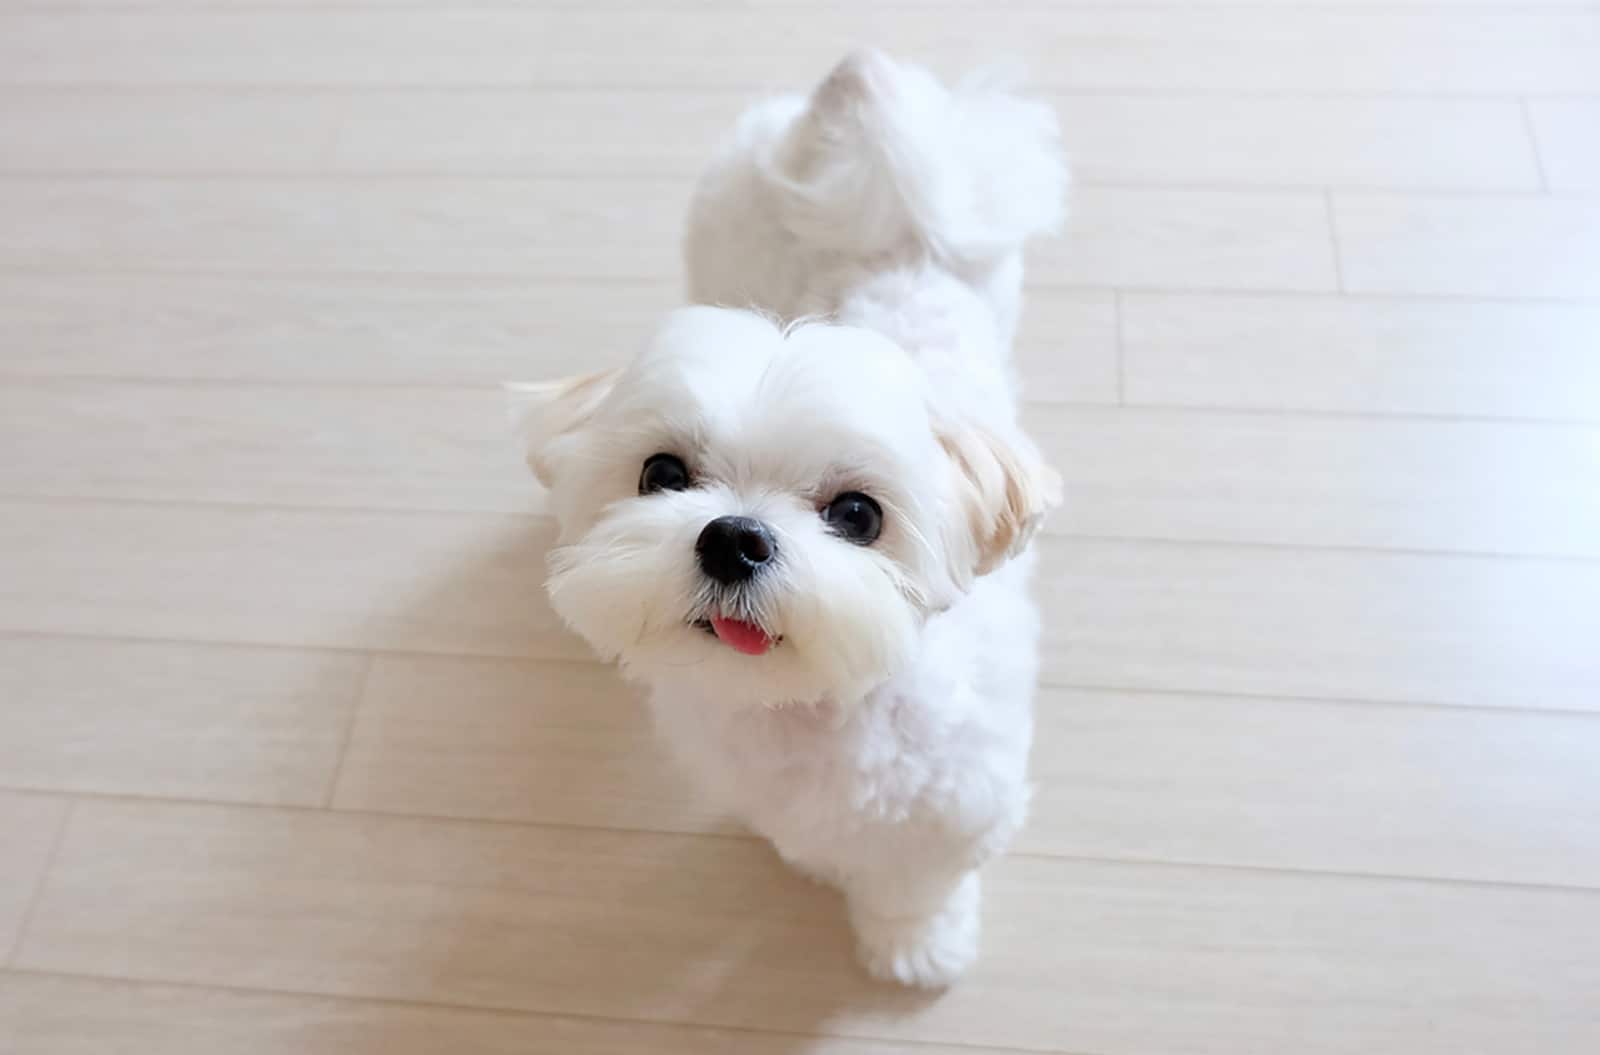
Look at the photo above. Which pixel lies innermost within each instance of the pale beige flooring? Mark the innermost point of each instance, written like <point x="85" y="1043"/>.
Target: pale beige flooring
<point x="296" y="759"/>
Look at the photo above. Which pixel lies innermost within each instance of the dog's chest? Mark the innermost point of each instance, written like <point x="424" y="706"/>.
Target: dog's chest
<point x="815" y="767"/>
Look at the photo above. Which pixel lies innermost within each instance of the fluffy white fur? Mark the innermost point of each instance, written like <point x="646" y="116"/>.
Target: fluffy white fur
<point x="882" y="743"/>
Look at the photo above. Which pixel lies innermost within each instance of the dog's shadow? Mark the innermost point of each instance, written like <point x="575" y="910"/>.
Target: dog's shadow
<point x="623" y="896"/>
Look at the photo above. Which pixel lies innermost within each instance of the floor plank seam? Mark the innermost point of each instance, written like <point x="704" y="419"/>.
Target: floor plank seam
<point x="1046" y="681"/>
<point x="1034" y="287"/>
<point x="1308" y="190"/>
<point x="743" y="90"/>
<point x="1332" y="214"/>
<point x="1337" y="701"/>
<point x="1120" y="346"/>
<point x="514" y="1012"/>
<point x="348" y="735"/>
<point x="1532" y="132"/>
<point x="36" y="895"/>
<point x="750" y="838"/>
<point x="1285" y="413"/>
<point x="1063" y="538"/>
<point x="329" y="171"/>
<point x="1368" y="7"/>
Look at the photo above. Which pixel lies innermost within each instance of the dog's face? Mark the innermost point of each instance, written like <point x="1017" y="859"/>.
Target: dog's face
<point x="763" y="516"/>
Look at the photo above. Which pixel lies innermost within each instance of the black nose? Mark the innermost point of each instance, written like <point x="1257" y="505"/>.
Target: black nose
<point x="732" y="549"/>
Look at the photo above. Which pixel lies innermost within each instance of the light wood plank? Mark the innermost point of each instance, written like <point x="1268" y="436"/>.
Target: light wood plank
<point x="1392" y="143"/>
<point x="1469" y="246"/>
<point x="453" y="583"/>
<point x="581" y="921"/>
<point x="1367" y="52"/>
<point x="1138" y="615"/>
<point x="525" y="228"/>
<point x="399" y="330"/>
<point x="1278" y="479"/>
<point x="1166" y="142"/>
<point x="438" y="448"/>
<point x="1400" y="143"/>
<point x="1217" y="780"/>
<point x="621" y="133"/>
<point x="1488" y="631"/>
<point x="711" y="931"/>
<point x="1484" y="795"/>
<point x="57" y="1015"/>
<point x="185" y="721"/>
<point x="29" y="825"/>
<point x="1130" y="474"/>
<point x="123" y="130"/>
<point x="1067" y="346"/>
<point x="1363" y="356"/>
<point x="1201" y="239"/>
<point x="543" y="742"/>
<point x="314" y="132"/>
<point x="1567" y="132"/>
<point x="560" y="228"/>
<point x="420" y="331"/>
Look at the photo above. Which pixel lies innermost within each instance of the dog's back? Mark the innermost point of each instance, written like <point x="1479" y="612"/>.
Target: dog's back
<point x="880" y="170"/>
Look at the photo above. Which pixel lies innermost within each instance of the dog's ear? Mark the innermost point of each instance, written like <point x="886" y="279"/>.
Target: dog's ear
<point x="1004" y="490"/>
<point x="545" y="411"/>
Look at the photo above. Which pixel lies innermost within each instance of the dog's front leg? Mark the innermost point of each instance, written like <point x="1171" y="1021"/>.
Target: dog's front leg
<point x="916" y="928"/>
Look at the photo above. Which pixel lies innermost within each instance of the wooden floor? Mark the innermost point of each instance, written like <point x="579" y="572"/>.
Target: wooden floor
<point x="296" y="759"/>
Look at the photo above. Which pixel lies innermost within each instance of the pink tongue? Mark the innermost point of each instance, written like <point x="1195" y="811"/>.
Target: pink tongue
<point x="746" y="637"/>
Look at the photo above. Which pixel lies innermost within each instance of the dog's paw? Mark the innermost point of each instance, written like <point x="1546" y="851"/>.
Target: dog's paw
<point x="929" y="951"/>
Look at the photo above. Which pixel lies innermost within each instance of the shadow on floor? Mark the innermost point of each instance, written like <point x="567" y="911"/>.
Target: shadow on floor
<point x="641" y="925"/>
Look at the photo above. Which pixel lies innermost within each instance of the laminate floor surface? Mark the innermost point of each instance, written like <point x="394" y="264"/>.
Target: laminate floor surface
<point x="294" y="758"/>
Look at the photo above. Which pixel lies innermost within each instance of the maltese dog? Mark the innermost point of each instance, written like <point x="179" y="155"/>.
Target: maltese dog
<point x="799" y="516"/>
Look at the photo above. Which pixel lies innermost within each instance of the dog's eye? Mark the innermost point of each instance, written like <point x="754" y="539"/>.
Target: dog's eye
<point x="854" y="516"/>
<point x="663" y="472"/>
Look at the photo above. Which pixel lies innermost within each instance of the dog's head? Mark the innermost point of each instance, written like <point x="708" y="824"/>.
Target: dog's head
<point x="768" y="515"/>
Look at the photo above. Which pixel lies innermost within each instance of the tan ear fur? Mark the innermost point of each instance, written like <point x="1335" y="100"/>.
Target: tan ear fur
<point x="541" y="411"/>
<point x="1006" y="491"/>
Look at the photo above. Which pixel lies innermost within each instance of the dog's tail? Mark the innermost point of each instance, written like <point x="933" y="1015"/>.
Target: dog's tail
<point x="884" y="156"/>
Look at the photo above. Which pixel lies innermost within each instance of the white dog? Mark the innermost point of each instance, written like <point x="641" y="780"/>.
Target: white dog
<point x="803" y="537"/>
